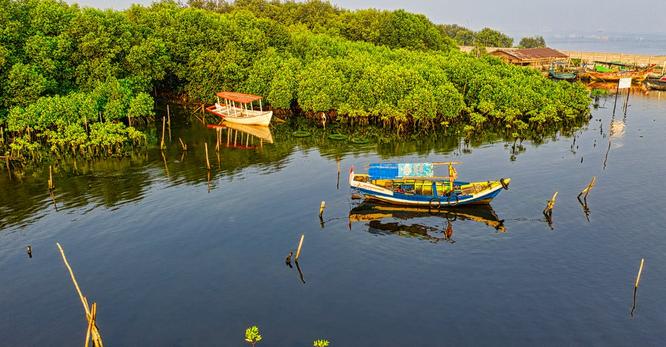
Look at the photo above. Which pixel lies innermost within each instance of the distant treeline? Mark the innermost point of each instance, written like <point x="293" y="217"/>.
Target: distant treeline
<point x="65" y="67"/>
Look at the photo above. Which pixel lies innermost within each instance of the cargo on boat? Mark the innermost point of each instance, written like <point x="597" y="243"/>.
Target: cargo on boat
<point x="414" y="184"/>
<point x="239" y="108"/>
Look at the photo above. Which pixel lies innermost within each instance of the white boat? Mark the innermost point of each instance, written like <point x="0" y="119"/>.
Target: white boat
<point x="239" y="108"/>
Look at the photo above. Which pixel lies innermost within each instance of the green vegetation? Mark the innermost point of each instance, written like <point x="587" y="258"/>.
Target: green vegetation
<point x="320" y="343"/>
<point x="252" y="335"/>
<point x="78" y="79"/>
<point x="532" y="42"/>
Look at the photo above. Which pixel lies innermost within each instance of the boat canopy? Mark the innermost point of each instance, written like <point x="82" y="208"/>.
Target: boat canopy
<point x="400" y="170"/>
<point x="239" y="97"/>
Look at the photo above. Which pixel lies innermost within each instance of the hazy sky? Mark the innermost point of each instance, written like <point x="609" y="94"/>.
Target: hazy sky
<point x="516" y="17"/>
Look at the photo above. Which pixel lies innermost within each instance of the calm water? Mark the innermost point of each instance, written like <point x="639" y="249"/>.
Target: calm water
<point x="173" y="260"/>
<point x="648" y="44"/>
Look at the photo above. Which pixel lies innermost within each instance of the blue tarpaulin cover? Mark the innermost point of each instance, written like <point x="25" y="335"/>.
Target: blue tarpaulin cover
<point x="400" y="170"/>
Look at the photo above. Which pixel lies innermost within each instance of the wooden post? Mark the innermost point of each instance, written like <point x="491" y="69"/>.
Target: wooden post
<point x="298" y="250"/>
<point x="207" y="160"/>
<point x="169" y="120"/>
<point x="94" y="331"/>
<point x="550" y="204"/>
<point x="162" y="146"/>
<point x="587" y="189"/>
<point x="640" y="271"/>
<point x="617" y="91"/>
<point x="322" y="206"/>
<point x="51" y="183"/>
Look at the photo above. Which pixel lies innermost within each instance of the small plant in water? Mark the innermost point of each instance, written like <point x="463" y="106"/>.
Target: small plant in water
<point x="252" y="335"/>
<point x="321" y="343"/>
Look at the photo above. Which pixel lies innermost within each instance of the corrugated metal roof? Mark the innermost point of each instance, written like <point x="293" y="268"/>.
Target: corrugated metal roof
<point x="533" y="53"/>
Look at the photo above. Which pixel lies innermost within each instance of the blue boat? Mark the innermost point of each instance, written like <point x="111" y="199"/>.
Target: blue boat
<point x="414" y="184"/>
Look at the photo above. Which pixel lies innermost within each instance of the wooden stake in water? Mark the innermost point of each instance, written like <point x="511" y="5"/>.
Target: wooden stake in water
<point x="94" y="331"/>
<point x="322" y="207"/>
<point x="162" y="145"/>
<point x="182" y="144"/>
<point x="51" y="183"/>
<point x="550" y="204"/>
<point x="207" y="160"/>
<point x="640" y="271"/>
<point x="638" y="280"/>
<point x="587" y="189"/>
<point x="169" y="121"/>
<point x="298" y="250"/>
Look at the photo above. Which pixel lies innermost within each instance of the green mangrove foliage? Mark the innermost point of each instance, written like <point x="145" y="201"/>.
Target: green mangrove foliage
<point x="67" y="69"/>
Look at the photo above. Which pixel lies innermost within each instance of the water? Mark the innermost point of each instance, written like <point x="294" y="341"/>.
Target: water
<point x="173" y="260"/>
<point x="646" y="44"/>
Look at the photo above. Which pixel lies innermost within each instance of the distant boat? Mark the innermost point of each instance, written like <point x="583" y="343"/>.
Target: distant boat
<point x="656" y="83"/>
<point x="636" y="76"/>
<point x="239" y="108"/>
<point x="414" y="184"/>
<point x="613" y="72"/>
<point x="562" y="76"/>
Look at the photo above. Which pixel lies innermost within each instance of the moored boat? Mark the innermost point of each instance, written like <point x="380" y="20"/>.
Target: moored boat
<point x="615" y="76"/>
<point x="239" y="108"/>
<point x="414" y="184"/>
<point x="656" y="83"/>
<point x="562" y="76"/>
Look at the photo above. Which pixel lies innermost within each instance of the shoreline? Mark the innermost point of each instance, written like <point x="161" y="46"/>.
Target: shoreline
<point x="590" y="56"/>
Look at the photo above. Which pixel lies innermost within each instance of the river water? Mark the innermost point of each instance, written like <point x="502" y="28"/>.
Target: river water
<point x="175" y="259"/>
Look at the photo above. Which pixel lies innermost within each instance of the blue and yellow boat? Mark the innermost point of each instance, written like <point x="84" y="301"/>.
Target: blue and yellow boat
<point x="414" y="184"/>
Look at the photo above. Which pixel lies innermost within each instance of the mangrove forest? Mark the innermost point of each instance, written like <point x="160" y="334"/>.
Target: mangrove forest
<point x="83" y="81"/>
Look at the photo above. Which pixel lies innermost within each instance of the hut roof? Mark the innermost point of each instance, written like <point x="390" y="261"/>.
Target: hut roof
<point x="239" y="97"/>
<point x="533" y="53"/>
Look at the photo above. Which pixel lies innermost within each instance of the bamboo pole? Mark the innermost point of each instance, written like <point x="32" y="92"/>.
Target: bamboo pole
<point x="91" y="322"/>
<point x="162" y="146"/>
<point x="94" y="331"/>
<point x="207" y="160"/>
<point x="550" y="204"/>
<point x="640" y="271"/>
<point x="51" y="183"/>
<point x="322" y="207"/>
<point x="298" y="250"/>
<point x="588" y="188"/>
<point x="169" y="120"/>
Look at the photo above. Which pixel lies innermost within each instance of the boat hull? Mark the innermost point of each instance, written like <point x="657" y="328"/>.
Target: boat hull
<point x="656" y="84"/>
<point x="240" y="116"/>
<point x="474" y="193"/>
<point x="636" y="77"/>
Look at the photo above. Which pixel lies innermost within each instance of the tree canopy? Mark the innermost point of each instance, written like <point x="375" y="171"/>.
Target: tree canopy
<point x="532" y="42"/>
<point x="66" y="66"/>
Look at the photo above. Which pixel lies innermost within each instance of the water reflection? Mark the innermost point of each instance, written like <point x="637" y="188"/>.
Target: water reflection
<point x="391" y="220"/>
<point x="115" y="181"/>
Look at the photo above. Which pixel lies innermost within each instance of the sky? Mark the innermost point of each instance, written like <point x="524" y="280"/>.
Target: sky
<point x="515" y="17"/>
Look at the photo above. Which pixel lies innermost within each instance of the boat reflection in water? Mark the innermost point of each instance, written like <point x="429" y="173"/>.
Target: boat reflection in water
<point x="242" y="136"/>
<point x="386" y="220"/>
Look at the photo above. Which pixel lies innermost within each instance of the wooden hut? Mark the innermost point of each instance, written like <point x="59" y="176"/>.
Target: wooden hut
<point x="536" y="57"/>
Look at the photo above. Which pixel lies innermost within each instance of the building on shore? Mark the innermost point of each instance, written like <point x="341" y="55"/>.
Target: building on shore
<point x="535" y="57"/>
